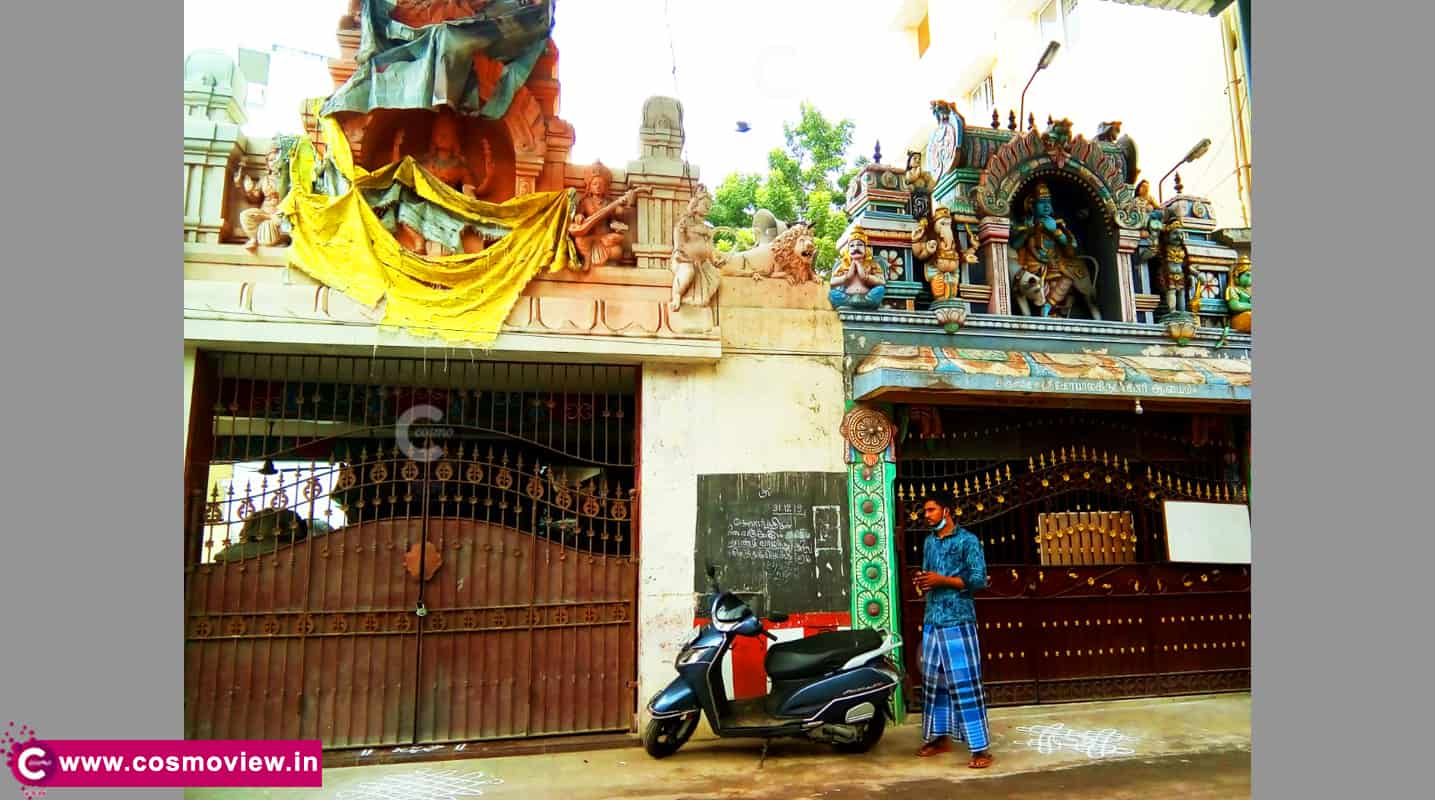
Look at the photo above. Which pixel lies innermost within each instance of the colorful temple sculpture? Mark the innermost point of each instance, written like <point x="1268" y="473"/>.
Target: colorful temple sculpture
<point x="458" y="409"/>
<point x="1067" y="358"/>
<point x="441" y="164"/>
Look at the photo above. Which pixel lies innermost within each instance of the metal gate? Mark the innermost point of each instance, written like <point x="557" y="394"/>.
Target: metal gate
<point x="1082" y="602"/>
<point x="410" y="552"/>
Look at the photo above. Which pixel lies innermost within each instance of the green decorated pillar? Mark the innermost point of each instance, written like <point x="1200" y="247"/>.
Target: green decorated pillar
<point x="871" y="471"/>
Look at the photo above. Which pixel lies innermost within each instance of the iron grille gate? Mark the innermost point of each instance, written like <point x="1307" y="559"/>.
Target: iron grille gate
<point x="384" y="551"/>
<point x="1082" y="603"/>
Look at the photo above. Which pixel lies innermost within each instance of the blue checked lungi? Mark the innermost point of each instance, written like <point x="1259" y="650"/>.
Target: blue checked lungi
<point x="952" y="702"/>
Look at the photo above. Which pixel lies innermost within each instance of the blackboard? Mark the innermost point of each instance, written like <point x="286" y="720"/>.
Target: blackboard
<point x="779" y="539"/>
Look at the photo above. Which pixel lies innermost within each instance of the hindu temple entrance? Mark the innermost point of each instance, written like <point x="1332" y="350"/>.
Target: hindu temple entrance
<point x="1083" y="602"/>
<point x="405" y="551"/>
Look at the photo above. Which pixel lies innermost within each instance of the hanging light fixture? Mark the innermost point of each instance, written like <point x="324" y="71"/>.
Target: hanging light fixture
<point x="268" y="468"/>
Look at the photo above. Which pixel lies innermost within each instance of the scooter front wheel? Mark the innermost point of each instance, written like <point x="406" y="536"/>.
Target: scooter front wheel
<point x="663" y="737"/>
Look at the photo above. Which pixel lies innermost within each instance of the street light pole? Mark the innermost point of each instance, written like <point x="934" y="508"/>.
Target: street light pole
<point x="1045" y="62"/>
<point x="1191" y="155"/>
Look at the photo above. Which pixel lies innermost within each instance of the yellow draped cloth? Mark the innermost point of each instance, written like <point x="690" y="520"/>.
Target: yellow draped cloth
<point x="462" y="298"/>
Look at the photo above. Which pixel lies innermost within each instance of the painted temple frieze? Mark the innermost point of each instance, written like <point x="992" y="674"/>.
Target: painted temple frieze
<point x="433" y="189"/>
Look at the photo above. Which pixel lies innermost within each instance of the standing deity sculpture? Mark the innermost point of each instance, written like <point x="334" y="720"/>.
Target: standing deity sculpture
<point x="935" y="242"/>
<point x="696" y="263"/>
<point x="1176" y="267"/>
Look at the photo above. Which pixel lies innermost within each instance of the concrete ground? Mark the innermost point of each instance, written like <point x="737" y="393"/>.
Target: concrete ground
<point x="1193" y="747"/>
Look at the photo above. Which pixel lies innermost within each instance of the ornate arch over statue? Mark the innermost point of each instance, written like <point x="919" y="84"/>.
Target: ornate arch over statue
<point x="1028" y="156"/>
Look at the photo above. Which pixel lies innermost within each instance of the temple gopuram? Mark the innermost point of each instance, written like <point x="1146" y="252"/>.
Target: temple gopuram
<point x="464" y="420"/>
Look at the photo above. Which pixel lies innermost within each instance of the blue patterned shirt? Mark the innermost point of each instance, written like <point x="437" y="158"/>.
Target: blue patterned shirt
<point x="957" y="555"/>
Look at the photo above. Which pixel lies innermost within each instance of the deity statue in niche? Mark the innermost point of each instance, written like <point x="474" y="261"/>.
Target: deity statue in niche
<point x="860" y="280"/>
<point x="1238" y="295"/>
<point x="424" y="227"/>
<point x="935" y="242"/>
<point x="599" y="244"/>
<point x="445" y="157"/>
<point x="1050" y="271"/>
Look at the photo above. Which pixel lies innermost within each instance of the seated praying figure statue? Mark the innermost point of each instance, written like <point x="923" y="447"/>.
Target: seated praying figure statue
<point x="860" y="280"/>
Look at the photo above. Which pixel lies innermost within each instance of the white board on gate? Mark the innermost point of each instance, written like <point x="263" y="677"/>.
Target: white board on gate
<point x="1208" y="533"/>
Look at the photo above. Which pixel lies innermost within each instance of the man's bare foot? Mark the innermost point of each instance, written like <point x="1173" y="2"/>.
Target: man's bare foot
<point x="935" y="747"/>
<point x="980" y="760"/>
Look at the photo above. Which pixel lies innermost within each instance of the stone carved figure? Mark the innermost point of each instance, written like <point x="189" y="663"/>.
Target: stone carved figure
<point x="1111" y="132"/>
<point x="918" y="179"/>
<point x="935" y="242"/>
<point x="1050" y="271"/>
<point x="766" y="227"/>
<point x="1143" y="196"/>
<point x="423" y="227"/>
<point x="860" y="280"/>
<point x="445" y="158"/>
<point x="1176" y="267"/>
<point x="696" y="263"/>
<point x="788" y="256"/>
<point x="1148" y="248"/>
<point x="598" y="244"/>
<point x="920" y="183"/>
<point x="418" y="13"/>
<point x="1238" y="295"/>
<point x="264" y="225"/>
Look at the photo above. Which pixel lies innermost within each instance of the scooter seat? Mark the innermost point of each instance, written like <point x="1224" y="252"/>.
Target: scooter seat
<point x="820" y="654"/>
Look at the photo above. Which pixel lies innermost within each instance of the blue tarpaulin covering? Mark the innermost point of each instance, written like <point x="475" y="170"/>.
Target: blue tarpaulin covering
<point x="426" y="67"/>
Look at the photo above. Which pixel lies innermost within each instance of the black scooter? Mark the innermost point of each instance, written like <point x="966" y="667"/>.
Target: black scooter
<point x="834" y="687"/>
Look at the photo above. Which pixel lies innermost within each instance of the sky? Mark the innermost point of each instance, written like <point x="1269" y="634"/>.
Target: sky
<point x="748" y="60"/>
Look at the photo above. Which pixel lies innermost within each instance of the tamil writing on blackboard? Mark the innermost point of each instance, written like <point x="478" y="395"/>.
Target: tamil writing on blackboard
<point x="778" y="534"/>
<point x="769" y="539"/>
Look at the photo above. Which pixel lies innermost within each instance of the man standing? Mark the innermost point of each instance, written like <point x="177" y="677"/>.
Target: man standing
<point x="953" y="705"/>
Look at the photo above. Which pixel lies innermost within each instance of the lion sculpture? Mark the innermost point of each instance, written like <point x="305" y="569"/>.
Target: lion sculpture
<point x="788" y="256"/>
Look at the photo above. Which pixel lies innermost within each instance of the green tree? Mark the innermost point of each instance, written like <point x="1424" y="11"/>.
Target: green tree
<point x="806" y="179"/>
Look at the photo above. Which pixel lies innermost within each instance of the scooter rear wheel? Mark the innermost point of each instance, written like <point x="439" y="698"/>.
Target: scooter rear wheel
<point x="663" y="737"/>
<point x="872" y="732"/>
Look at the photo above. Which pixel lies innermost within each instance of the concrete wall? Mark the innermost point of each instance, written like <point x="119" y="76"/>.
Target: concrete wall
<point x="773" y="403"/>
